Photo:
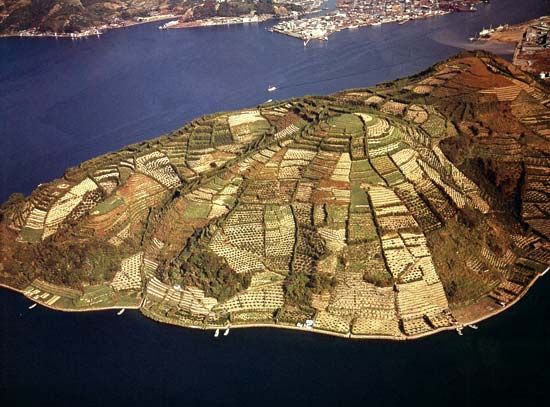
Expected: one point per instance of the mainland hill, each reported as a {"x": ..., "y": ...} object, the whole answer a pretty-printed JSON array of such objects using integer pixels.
[
  {"x": 394, "y": 211},
  {"x": 76, "y": 16}
]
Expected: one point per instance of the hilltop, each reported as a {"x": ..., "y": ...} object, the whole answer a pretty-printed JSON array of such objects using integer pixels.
[{"x": 395, "y": 211}]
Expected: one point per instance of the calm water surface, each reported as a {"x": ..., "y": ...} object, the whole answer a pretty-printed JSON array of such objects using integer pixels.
[{"x": 66, "y": 101}]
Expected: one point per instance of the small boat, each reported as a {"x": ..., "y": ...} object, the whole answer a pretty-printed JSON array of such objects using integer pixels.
[
  {"x": 226, "y": 332},
  {"x": 168, "y": 25},
  {"x": 272, "y": 88},
  {"x": 121, "y": 311},
  {"x": 403, "y": 21},
  {"x": 217, "y": 333},
  {"x": 32, "y": 306},
  {"x": 473, "y": 326},
  {"x": 459, "y": 331},
  {"x": 269, "y": 101}
]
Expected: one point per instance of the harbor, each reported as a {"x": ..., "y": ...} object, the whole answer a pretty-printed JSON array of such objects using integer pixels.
[
  {"x": 529, "y": 42},
  {"x": 363, "y": 13}
]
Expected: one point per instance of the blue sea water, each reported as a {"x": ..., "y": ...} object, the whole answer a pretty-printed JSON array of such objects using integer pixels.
[{"x": 65, "y": 101}]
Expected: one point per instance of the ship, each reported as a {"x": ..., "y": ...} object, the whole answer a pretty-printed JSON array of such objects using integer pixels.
[
  {"x": 168, "y": 25},
  {"x": 226, "y": 332},
  {"x": 217, "y": 333},
  {"x": 272, "y": 88},
  {"x": 121, "y": 311},
  {"x": 486, "y": 32},
  {"x": 32, "y": 306}
]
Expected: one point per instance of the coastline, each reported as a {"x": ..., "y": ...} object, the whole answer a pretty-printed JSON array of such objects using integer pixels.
[
  {"x": 303, "y": 35},
  {"x": 462, "y": 323},
  {"x": 92, "y": 32},
  {"x": 220, "y": 21},
  {"x": 164, "y": 320},
  {"x": 71, "y": 310}
]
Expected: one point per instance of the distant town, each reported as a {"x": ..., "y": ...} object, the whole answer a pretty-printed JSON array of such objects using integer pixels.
[
  {"x": 281, "y": 10},
  {"x": 350, "y": 14},
  {"x": 303, "y": 19}
]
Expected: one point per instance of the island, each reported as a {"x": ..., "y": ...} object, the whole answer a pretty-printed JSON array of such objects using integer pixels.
[{"x": 391, "y": 212}]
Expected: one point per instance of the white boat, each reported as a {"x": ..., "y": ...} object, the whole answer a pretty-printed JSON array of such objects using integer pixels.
[
  {"x": 473, "y": 326},
  {"x": 459, "y": 331},
  {"x": 217, "y": 333},
  {"x": 377, "y": 23},
  {"x": 272, "y": 88},
  {"x": 32, "y": 306},
  {"x": 226, "y": 332},
  {"x": 121, "y": 311},
  {"x": 486, "y": 32},
  {"x": 168, "y": 25},
  {"x": 269, "y": 101}
]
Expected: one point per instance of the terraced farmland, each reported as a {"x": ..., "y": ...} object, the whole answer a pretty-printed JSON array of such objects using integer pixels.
[{"x": 394, "y": 212}]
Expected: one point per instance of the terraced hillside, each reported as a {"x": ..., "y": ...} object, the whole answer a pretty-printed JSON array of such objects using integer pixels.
[{"x": 395, "y": 212}]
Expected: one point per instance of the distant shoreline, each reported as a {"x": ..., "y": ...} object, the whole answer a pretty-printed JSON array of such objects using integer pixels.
[{"x": 92, "y": 32}]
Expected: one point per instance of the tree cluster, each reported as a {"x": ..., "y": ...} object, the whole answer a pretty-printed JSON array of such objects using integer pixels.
[
  {"x": 206, "y": 270},
  {"x": 302, "y": 282},
  {"x": 74, "y": 263}
]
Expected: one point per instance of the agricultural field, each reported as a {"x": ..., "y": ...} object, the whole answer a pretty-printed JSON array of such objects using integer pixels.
[{"x": 378, "y": 212}]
